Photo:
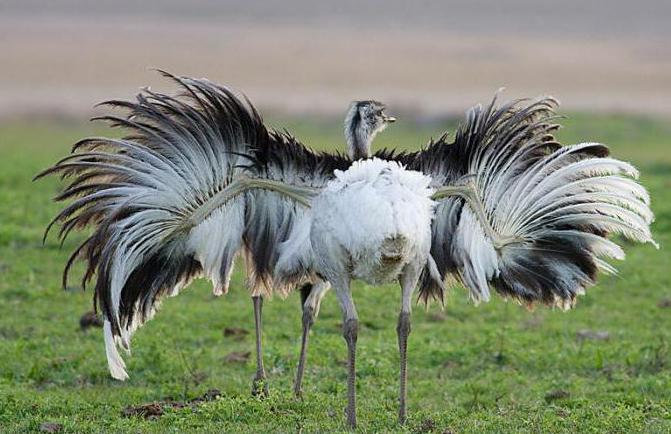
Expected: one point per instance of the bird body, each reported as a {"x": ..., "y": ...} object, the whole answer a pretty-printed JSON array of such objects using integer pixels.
[
  {"x": 200, "y": 179},
  {"x": 373, "y": 219}
]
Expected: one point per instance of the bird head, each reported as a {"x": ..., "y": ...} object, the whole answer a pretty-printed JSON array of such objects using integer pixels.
[{"x": 363, "y": 121}]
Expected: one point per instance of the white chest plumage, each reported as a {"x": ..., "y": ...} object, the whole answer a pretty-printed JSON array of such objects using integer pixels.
[{"x": 375, "y": 217}]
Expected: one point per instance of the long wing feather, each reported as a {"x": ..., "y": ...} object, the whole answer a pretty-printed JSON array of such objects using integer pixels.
[
  {"x": 535, "y": 224},
  {"x": 159, "y": 204}
]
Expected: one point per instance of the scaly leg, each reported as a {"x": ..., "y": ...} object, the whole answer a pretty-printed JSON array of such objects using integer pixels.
[
  {"x": 259, "y": 384},
  {"x": 310, "y": 312},
  {"x": 408, "y": 283},
  {"x": 350, "y": 332}
]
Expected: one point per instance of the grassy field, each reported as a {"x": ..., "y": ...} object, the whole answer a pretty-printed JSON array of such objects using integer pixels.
[{"x": 603, "y": 367}]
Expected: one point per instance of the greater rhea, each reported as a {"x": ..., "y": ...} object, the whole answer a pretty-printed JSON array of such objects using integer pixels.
[
  {"x": 364, "y": 120},
  {"x": 199, "y": 179}
]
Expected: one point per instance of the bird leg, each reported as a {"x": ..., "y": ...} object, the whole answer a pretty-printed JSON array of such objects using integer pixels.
[
  {"x": 308, "y": 320},
  {"x": 310, "y": 312},
  {"x": 350, "y": 332},
  {"x": 259, "y": 384},
  {"x": 408, "y": 282},
  {"x": 403, "y": 330}
]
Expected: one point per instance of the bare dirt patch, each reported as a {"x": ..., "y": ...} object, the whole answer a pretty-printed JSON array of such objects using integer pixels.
[{"x": 155, "y": 410}]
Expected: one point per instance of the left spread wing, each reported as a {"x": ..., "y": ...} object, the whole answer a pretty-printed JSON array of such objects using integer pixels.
[{"x": 154, "y": 199}]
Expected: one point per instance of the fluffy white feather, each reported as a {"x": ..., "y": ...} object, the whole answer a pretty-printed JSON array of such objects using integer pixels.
[{"x": 363, "y": 209}]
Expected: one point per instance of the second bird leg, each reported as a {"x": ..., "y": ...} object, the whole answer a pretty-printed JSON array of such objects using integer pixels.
[
  {"x": 408, "y": 281},
  {"x": 315, "y": 293},
  {"x": 259, "y": 384},
  {"x": 350, "y": 331},
  {"x": 403, "y": 330}
]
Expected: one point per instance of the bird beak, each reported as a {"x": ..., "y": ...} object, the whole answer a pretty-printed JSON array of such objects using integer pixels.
[{"x": 389, "y": 119}]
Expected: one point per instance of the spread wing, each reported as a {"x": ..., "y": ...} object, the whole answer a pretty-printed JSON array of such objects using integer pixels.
[
  {"x": 171, "y": 200},
  {"x": 522, "y": 214}
]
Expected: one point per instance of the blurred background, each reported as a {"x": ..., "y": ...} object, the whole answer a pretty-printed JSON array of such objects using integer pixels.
[
  {"x": 603, "y": 367},
  {"x": 299, "y": 56}
]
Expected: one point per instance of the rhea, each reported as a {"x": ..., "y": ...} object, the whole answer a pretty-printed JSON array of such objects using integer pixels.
[
  {"x": 503, "y": 207},
  {"x": 363, "y": 121}
]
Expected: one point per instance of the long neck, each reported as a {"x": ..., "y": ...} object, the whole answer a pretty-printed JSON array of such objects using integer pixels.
[
  {"x": 358, "y": 146},
  {"x": 358, "y": 137}
]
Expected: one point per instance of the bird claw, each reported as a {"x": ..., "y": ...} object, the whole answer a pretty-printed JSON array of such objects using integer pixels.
[
  {"x": 260, "y": 387},
  {"x": 351, "y": 418}
]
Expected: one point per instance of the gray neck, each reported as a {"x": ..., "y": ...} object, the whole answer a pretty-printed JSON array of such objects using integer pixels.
[
  {"x": 358, "y": 146},
  {"x": 357, "y": 135}
]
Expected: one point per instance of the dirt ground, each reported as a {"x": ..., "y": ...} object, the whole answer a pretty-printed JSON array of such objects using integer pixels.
[{"x": 300, "y": 57}]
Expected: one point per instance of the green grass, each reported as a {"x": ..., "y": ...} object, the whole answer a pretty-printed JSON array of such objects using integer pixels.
[{"x": 492, "y": 368}]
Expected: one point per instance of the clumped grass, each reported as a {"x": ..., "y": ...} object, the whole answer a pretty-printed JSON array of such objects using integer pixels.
[{"x": 603, "y": 367}]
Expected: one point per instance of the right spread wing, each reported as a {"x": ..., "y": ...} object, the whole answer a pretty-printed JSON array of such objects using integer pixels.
[{"x": 523, "y": 215}]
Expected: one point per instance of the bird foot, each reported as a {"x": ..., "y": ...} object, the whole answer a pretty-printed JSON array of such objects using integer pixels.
[
  {"x": 351, "y": 418},
  {"x": 260, "y": 387}
]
